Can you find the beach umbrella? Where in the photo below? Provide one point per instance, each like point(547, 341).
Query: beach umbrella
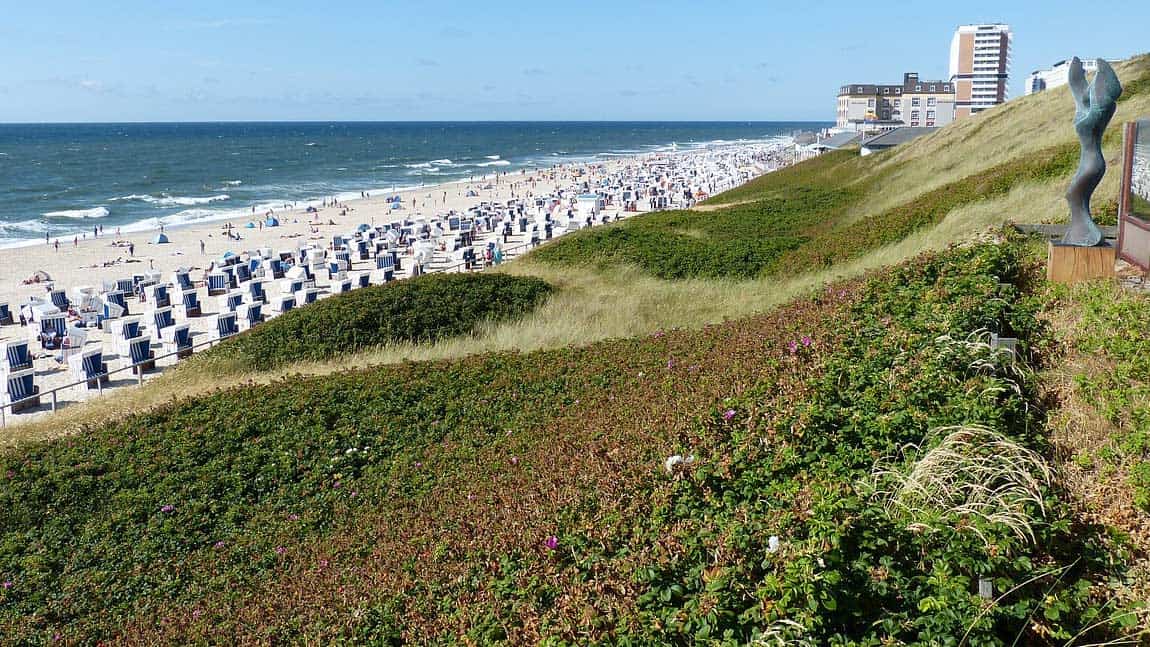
point(229, 254)
point(363, 227)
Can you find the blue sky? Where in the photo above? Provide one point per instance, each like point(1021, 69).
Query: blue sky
point(210, 60)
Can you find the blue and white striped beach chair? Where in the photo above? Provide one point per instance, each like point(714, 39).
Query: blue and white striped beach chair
point(157, 295)
point(284, 303)
point(276, 267)
point(363, 249)
point(386, 264)
point(116, 298)
point(250, 315)
point(16, 356)
point(181, 341)
point(89, 367)
point(189, 305)
point(21, 391)
point(217, 284)
point(305, 296)
point(52, 330)
point(123, 331)
point(5, 315)
point(363, 279)
point(59, 299)
point(230, 301)
point(141, 354)
point(127, 286)
point(341, 286)
point(182, 281)
point(162, 324)
point(243, 274)
point(256, 293)
point(226, 325)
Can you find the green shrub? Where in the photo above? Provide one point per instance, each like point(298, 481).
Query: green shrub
point(524, 498)
point(428, 308)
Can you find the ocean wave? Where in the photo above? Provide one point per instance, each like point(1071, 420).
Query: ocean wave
point(492, 157)
point(420, 165)
point(442, 162)
point(495, 163)
point(174, 201)
point(23, 227)
point(233, 182)
point(97, 212)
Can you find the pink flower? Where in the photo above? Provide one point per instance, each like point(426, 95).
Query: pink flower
point(671, 363)
point(514, 460)
point(418, 464)
point(470, 497)
point(219, 544)
point(551, 542)
point(794, 347)
point(7, 584)
point(728, 414)
point(280, 550)
point(807, 341)
point(168, 508)
point(335, 485)
point(293, 517)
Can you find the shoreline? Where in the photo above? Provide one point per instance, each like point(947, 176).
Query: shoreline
point(153, 224)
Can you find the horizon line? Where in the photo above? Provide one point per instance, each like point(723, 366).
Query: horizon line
point(422, 121)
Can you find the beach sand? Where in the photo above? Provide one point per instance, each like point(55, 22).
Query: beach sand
point(92, 261)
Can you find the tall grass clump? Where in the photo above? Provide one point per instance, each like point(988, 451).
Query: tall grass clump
point(426, 309)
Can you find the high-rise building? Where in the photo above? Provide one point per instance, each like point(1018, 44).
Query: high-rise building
point(980, 67)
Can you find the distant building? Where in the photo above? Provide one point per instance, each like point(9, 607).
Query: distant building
point(872, 109)
point(980, 67)
point(893, 138)
point(1057, 75)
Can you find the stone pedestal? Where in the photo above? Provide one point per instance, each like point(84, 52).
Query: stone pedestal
point(1070, 264)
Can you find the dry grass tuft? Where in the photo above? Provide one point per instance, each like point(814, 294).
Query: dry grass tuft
point(972, 473)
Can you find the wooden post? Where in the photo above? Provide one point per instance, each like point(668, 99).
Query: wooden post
point(1070, 264)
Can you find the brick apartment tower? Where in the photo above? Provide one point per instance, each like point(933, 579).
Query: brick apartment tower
point(979, 67)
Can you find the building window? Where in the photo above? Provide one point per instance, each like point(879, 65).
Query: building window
point(870, 103)
point(898, 103)
point(931, 101)
point(886, 90)
point(930, 114)
point(915, 102)
point(898, 90)
point(914, 115)
point(932, 88)
point(918, 88)
point(885, 115)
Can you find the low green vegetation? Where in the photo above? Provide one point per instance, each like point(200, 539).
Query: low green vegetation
point(524, 498)
point(429, 308)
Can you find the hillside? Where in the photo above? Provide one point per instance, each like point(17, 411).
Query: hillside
point(777, 420)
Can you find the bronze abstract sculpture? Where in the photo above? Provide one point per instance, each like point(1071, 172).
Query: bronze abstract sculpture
point(1095, 104)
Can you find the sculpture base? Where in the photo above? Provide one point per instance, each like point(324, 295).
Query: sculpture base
point(1070, 264)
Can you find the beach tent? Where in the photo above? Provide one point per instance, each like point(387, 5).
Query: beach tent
point(250, 225)
point(272, 221)
point(363, 227)
point(161, 239)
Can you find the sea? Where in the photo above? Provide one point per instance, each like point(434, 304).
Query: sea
point(61, 180)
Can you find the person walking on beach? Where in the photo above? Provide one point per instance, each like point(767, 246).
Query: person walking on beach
point(131, 249)
point(57, 244)
point(201, 247)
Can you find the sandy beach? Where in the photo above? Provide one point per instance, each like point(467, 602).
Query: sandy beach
point(89, 261)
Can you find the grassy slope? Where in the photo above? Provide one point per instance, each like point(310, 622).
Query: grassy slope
point(414, 503)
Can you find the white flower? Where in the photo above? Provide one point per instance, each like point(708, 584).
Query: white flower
point(773, 544)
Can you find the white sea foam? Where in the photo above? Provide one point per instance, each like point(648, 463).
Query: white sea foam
point(23, 227)
point(442, 162)
point(233, 182)
point(174, 201)
point(492, 157)
point(495, 163)
point(420, 165)
point(97, 212)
